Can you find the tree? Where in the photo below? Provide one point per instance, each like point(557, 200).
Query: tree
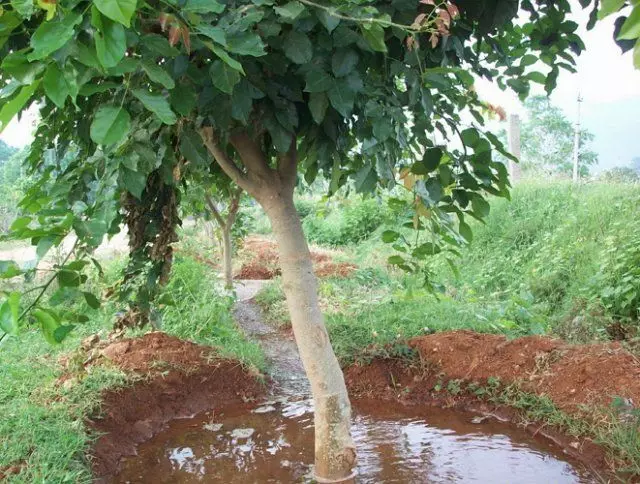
point(548, 138)
point(6, 151)
point(635, 163)
point(621, 174)
point(352, 91)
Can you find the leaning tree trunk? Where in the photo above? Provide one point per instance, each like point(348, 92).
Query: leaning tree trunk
point(334, 448)
point(227, 254)
point(335, 453)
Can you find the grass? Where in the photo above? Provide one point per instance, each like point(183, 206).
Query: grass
point(42, 423)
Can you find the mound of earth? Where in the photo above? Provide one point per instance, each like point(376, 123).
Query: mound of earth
point(262, 262)
point(572, 376)
point(180, 379)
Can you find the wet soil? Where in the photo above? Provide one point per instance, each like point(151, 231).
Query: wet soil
point(272, 440)
point(180, 379)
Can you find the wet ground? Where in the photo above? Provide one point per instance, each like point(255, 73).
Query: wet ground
point(272, 440)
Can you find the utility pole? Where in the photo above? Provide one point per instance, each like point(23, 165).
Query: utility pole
point(515, 172)
point(576, 143)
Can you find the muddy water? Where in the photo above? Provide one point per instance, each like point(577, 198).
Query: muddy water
point(272, 440)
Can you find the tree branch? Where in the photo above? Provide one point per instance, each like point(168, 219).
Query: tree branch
point(233, 207)
point(288, 163)
point(251, 155)
point(228, 166)
point(214, 211)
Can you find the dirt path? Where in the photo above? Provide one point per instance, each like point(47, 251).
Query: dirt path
point(281, 352)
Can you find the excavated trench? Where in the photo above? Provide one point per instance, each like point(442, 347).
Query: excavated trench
point(271, 439)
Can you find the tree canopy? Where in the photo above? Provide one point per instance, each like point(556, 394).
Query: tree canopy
point(357, 88)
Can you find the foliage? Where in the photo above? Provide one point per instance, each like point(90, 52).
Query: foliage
point(547, 139)
point(627, 27)
point(621, 174)
point(126, 92)
point(539, 265)
point(198, 311)
point(347, 222)
point(620, 273)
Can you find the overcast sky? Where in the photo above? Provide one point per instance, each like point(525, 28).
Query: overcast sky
point(606, 80)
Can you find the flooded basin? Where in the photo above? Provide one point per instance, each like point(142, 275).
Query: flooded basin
point(273, 442)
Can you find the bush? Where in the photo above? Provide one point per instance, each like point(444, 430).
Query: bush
point(305, 207)
point(349, 223)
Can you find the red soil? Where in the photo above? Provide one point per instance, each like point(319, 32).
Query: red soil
point(263, 262)
point(573, 377)
point(182, 379)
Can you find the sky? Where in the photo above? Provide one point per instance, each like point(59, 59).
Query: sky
point(609, 86)
point(606, 81)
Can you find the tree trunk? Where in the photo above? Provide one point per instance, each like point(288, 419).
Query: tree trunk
point(227, 253)
point(335, 453)
point(334, 448)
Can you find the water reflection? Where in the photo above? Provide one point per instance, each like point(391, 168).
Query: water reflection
point(395, 445)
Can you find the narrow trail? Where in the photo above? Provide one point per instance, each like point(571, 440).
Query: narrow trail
point(285, 366)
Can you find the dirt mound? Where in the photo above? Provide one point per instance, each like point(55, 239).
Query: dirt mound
point(262, 262)
point(182, 379)
point(571, 376)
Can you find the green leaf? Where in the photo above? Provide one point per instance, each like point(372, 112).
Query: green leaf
point(24, 8)
point(342, 97)
point(431, 159)
point(9, 269)
point(223, 76)
point(329, 21)
point(110, 39)
point(183, 99)
point(193, 149)
point(374, 35)
point(298, 47)
point(344, 61)
point(291, 10)
point(480, 206)
point(15, 105)
point(120, 11)
point(48, 324)
point(159, 45)
point(67, 278)
point(318, 81)
point(44, 244)
point(88, 56)
point(607, 7)
point(636, 55)
point(158, 74)
point(246, 43)
point(465, 231)
point(470, 137)
point(59, 85)
point(203, 6)
point(9, 314)
point(91, 89)
point(17, 66)
point(134, 181)
point(20, 223)
point(61, 332)
point(318, 104)
point(110, 125)
point(631, 27)
point(389, 236)
point(92, 300)
point(214, 33)
point(52, 35)
point(222, 54)
point(157, 104)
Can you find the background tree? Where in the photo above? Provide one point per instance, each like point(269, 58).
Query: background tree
point(547, 138)
point(635, 163)
point(347, 90)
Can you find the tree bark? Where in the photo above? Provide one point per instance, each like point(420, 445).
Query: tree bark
point(335, 454)
point(334, 448)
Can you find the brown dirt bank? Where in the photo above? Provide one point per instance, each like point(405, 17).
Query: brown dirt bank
point(575, 378)
point(262, 261)
point(181, 379)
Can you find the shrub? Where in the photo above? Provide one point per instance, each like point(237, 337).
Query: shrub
point(348, 223)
